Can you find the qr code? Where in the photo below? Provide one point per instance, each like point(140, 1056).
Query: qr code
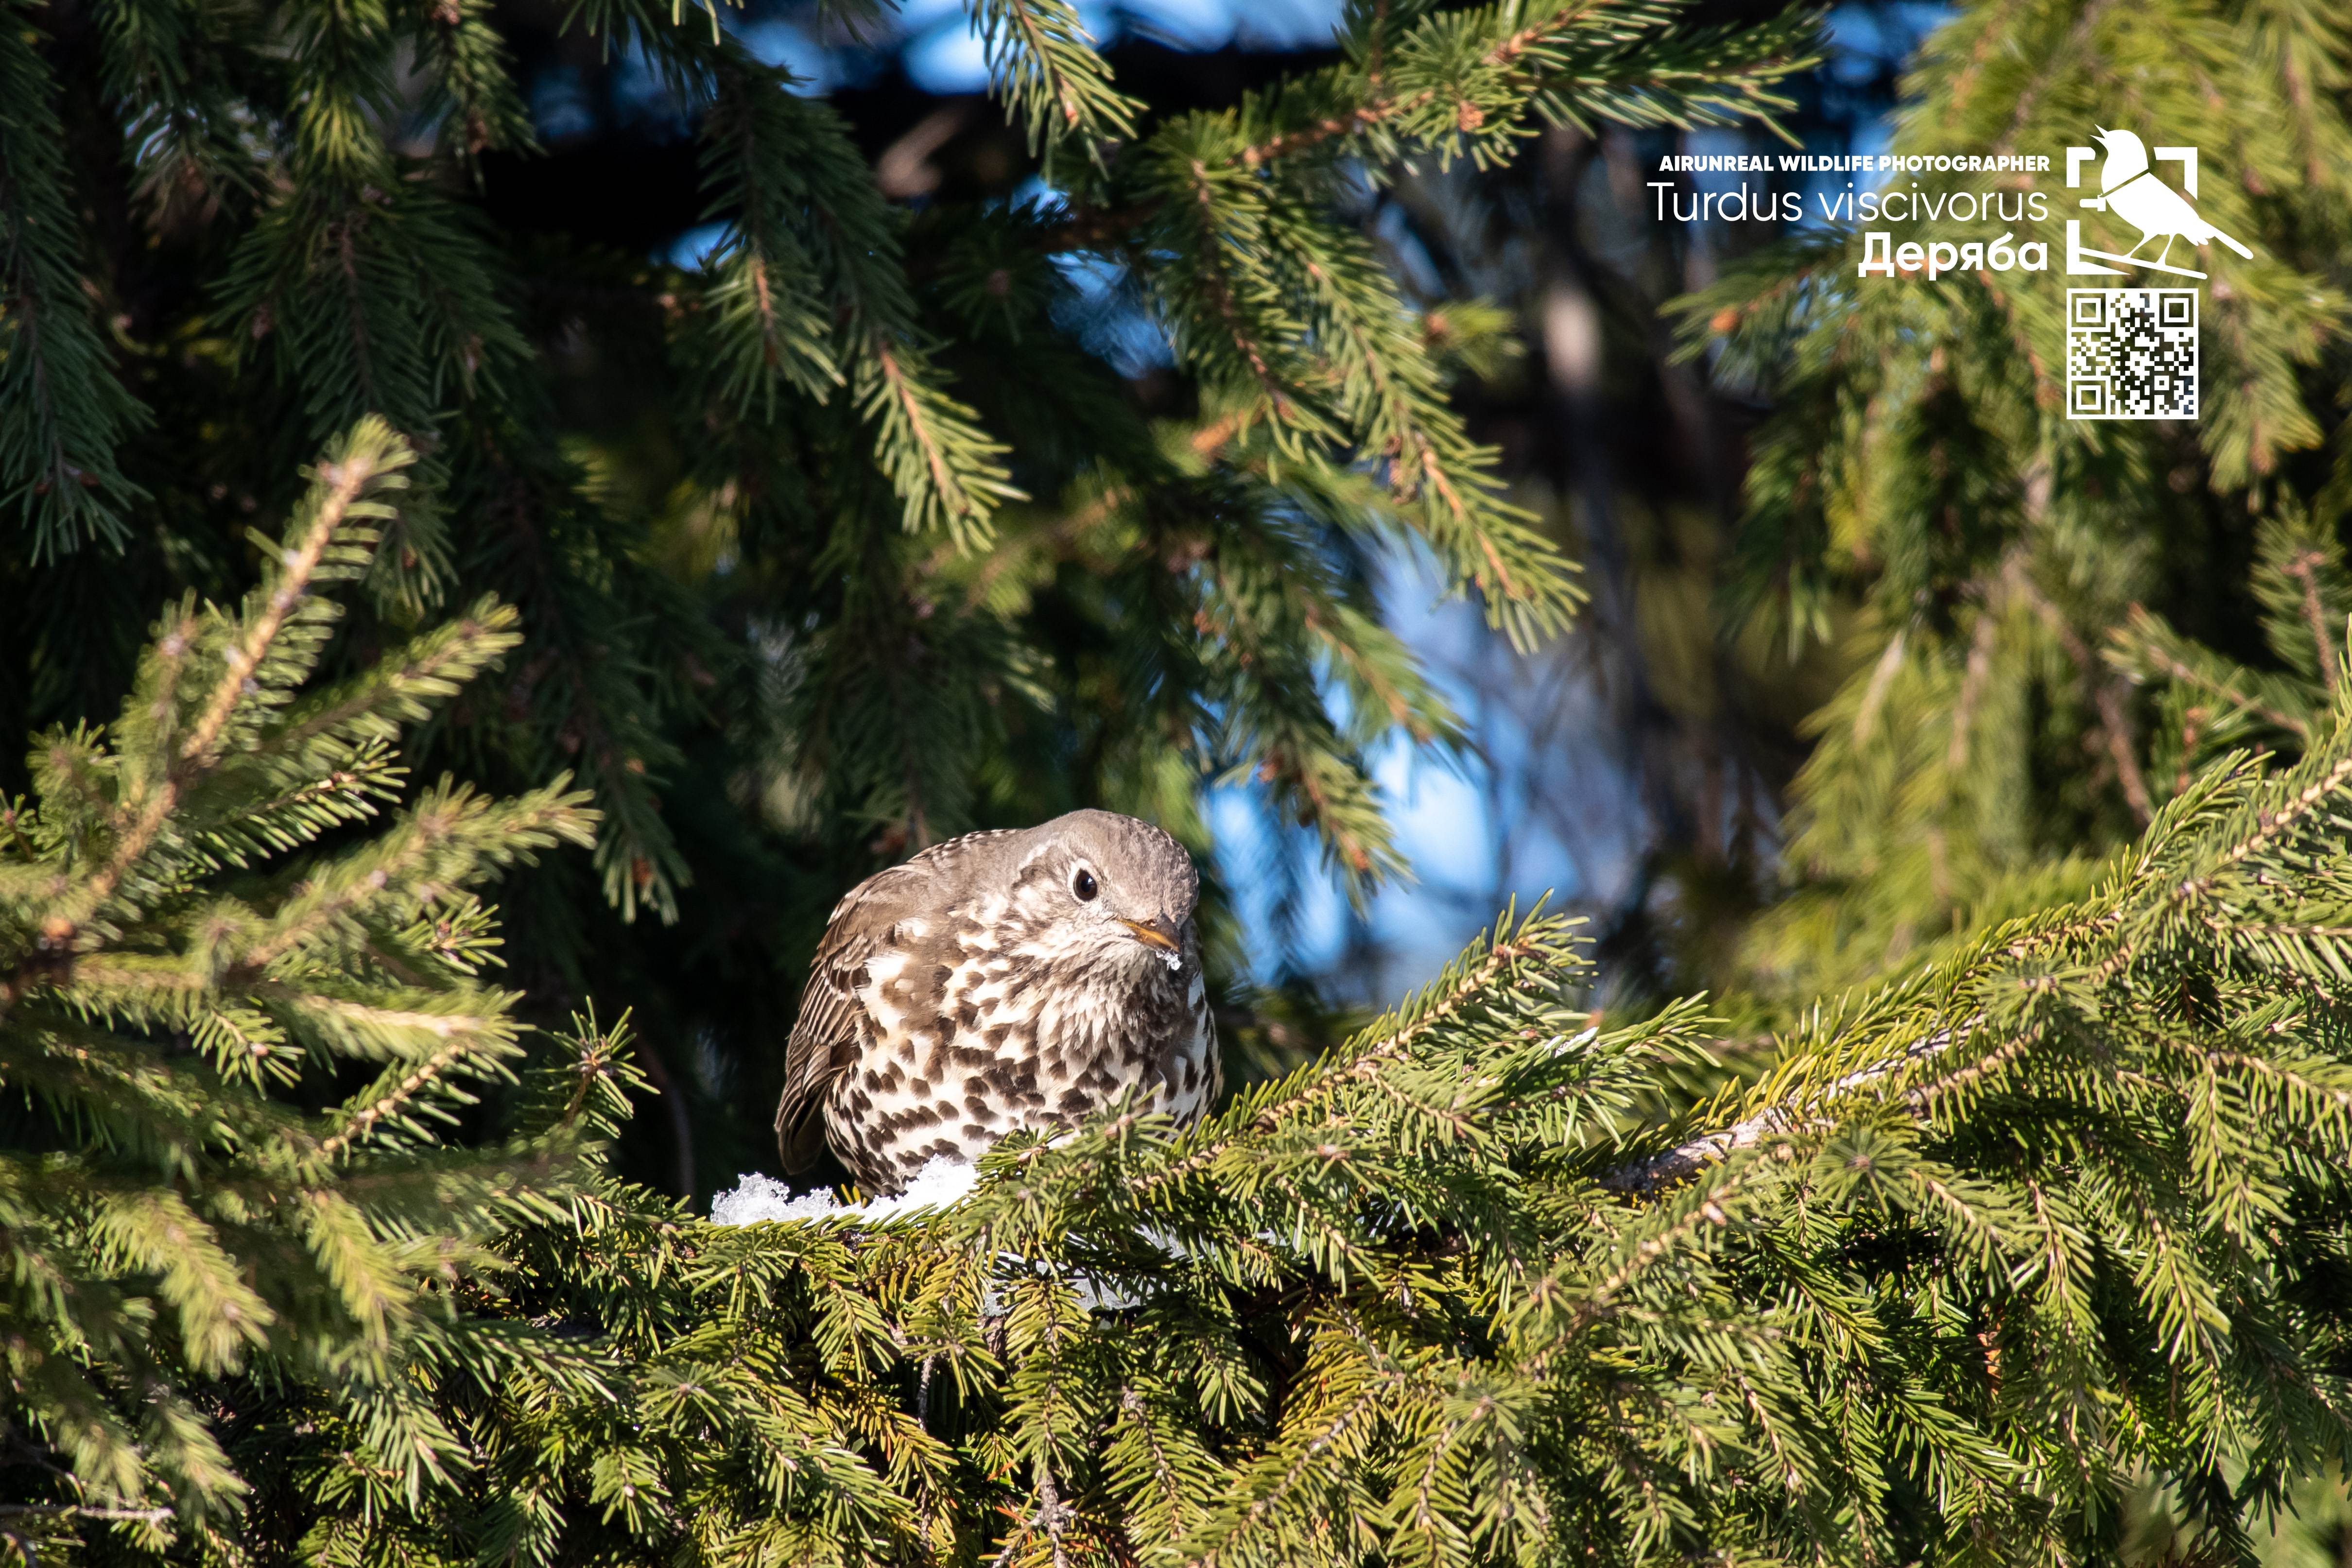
point(2131, 353)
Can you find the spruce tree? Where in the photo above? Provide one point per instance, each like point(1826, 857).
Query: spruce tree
point(2050, 630)
point(313, 1252)
point(236, 1014)
point(2064, 1209)
point(847, 539)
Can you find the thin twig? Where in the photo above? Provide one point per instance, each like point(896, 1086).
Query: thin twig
point(1643, 1176)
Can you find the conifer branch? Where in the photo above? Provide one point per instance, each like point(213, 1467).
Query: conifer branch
point(1043, 64)
point(341, 483)
point(194, 1229)
point(2146, 645)
point(472, 68)
point(1649, 1174)
point(1468, 983)
point(368, 460)
point(64, 412)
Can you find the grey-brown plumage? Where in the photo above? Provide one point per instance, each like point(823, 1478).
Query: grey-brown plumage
point(1002, 980)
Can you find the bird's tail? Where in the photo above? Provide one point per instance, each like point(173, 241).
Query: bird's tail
point(2233, 245)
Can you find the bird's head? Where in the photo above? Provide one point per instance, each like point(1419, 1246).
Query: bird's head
point(1110, 889)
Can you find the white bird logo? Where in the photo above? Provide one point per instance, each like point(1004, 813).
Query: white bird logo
point(2129, 188)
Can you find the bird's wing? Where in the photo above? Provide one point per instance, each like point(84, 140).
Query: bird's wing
point(831, 1029)
point(825, 1041)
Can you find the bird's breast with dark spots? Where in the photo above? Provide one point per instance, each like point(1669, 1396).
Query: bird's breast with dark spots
point(974, 1038)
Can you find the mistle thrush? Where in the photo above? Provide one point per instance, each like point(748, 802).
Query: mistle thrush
point(1010, 980)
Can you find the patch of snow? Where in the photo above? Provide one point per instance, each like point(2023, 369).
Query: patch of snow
point(940, 1184)
point(757, 1197)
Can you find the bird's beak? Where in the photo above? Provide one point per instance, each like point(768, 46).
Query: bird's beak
point(1152, 933)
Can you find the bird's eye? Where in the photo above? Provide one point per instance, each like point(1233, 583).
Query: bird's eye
point(1083, 885)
